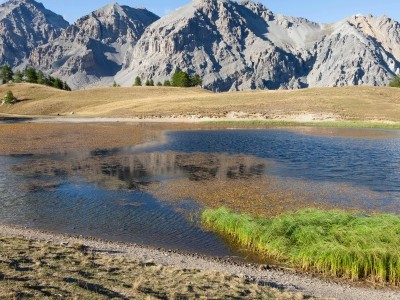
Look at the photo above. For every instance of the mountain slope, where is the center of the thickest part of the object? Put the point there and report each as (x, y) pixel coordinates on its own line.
(243, 45)
(94, 47)
(25, 24)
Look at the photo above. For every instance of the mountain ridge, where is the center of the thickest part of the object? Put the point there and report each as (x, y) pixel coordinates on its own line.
(232, 45)
(24, 25)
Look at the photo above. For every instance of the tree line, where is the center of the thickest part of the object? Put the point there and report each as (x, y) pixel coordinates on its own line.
(31, 75)
(179, 79)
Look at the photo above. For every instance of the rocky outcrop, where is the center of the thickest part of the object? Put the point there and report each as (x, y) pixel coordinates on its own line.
(93, 49)
(24, 25)
(243, 45)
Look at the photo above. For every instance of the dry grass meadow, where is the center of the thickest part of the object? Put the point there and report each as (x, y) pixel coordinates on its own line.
(347, 103)
(42, 270)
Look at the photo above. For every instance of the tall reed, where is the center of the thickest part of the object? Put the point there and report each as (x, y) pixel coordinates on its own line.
(334, 242)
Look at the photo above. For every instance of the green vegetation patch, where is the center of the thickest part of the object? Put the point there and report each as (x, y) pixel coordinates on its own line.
(338, 243)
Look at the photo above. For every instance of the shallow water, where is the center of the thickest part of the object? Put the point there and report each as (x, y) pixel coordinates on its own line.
(154, 195)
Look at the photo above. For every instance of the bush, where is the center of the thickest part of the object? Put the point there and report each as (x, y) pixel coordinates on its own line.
(395, 82)
(9, 98)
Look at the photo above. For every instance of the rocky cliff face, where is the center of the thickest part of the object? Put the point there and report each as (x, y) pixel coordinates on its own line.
(92, 50)
(25, 24)
(243, 45)
(232, 45)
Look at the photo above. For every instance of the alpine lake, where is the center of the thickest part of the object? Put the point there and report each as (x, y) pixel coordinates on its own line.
(153, 194)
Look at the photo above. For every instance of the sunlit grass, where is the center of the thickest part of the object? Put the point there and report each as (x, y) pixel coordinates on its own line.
(337, 243)
(43, 270)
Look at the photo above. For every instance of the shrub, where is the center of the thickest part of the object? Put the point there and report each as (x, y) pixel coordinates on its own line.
(9, 98)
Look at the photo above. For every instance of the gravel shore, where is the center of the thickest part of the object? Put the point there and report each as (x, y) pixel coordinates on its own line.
(283, 279)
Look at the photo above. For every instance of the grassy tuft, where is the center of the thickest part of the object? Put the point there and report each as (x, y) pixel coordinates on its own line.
(337, 243)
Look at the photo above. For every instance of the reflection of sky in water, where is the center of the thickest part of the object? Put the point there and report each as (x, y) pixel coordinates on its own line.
(109, 193)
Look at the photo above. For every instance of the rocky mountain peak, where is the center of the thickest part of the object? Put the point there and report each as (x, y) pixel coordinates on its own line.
(243, 45)
(95, 46)
(25, 24)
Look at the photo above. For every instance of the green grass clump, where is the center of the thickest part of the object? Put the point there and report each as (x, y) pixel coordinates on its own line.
(338, 243)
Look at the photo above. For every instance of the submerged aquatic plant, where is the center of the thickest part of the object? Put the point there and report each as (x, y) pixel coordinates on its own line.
(333, 242)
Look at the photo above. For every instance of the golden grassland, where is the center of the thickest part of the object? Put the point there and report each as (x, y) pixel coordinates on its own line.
(347, 103)
(42, 270)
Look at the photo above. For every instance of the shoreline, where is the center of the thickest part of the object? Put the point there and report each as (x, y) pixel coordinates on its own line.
(304, 120)
(286, 280)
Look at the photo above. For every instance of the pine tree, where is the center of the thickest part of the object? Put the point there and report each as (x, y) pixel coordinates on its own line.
(58, 84)
(195, 80)
(31, 75)
(40, 77)
(66, 87)
(6, 74)
(138, 81)
(180, 79)
(18, 76)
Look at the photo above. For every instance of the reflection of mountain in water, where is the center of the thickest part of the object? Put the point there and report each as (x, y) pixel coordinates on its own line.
(134, 170)
(153, 166)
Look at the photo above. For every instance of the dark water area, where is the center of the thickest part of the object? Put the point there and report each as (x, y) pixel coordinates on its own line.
(154, 195)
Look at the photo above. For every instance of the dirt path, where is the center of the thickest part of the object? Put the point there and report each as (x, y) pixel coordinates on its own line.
(286, 280)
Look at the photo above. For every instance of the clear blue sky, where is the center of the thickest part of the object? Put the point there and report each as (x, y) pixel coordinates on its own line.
(315, 10)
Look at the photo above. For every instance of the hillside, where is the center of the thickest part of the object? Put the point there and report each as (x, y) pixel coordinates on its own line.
(347, 103)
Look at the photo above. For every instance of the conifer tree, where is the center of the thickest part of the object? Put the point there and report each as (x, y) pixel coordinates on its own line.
(138, 81)
(6, 74)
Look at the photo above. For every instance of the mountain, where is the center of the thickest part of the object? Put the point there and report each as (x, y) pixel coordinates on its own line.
(243, 45)
(24, 25)
(232, 45)
(93, 49)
